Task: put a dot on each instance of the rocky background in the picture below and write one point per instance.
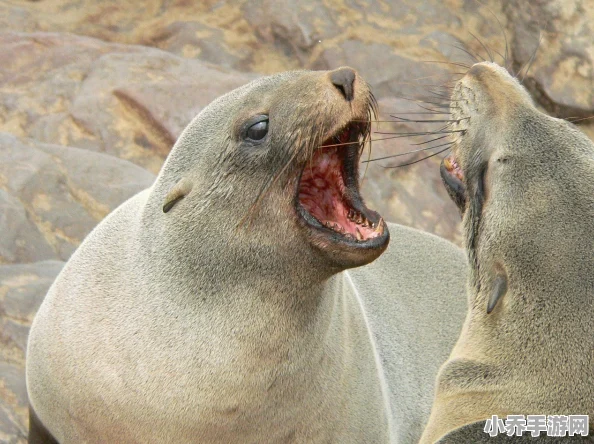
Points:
(94, 93)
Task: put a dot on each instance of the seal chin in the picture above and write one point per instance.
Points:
(453, 179)
(329, 206)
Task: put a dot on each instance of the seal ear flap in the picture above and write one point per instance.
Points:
(177, 193)
(499, 290)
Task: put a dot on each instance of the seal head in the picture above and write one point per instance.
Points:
(292, 151)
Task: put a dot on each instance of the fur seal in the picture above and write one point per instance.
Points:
(216, 306)
(524, 182)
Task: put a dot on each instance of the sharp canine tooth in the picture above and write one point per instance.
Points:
(380, 226)
(359, 235)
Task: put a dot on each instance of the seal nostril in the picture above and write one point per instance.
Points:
(344, 79)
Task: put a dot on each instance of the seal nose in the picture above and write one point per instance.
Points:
(344, 79)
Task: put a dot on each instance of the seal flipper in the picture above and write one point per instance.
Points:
(499, 289)
(38, 434)
(177, 193)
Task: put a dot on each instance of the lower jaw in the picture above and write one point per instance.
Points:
(341, 251)
(454, 187)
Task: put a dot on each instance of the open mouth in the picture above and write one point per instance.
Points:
(453, 178)
(328, 198)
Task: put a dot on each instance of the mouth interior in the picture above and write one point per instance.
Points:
(329, 190)
(452, 166)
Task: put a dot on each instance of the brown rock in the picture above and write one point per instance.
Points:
(561, 76)
(127, 101)
(55, 196)
(22, 289)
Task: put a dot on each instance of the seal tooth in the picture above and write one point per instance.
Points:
(359, 235)
(380, 226)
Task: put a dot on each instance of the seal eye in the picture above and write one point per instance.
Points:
(258, 130)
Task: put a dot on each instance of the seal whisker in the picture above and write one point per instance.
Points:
(483, 45)
(437, 131)
(439, 95)
(429, 121)
(422, 101)
(474, 57)
(418, 113)
(339, 144)
(463, 65)
(366, 138)
(574, 119)
(532, 58)
(420, 160)
(429, 133)
(434, 111)
(431, 140)
(505, 57)
(377, 121)
(410, 152)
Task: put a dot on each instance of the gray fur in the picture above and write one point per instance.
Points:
(182, 326)
(533, 354)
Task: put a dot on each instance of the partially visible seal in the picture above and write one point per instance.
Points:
(524, 182)
(214, 306)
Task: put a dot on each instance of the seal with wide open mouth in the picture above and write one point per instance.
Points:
(313, 148)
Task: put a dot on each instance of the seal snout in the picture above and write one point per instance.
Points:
(493, 90)
(344, 80)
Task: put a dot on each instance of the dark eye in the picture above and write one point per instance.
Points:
(258, 130)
